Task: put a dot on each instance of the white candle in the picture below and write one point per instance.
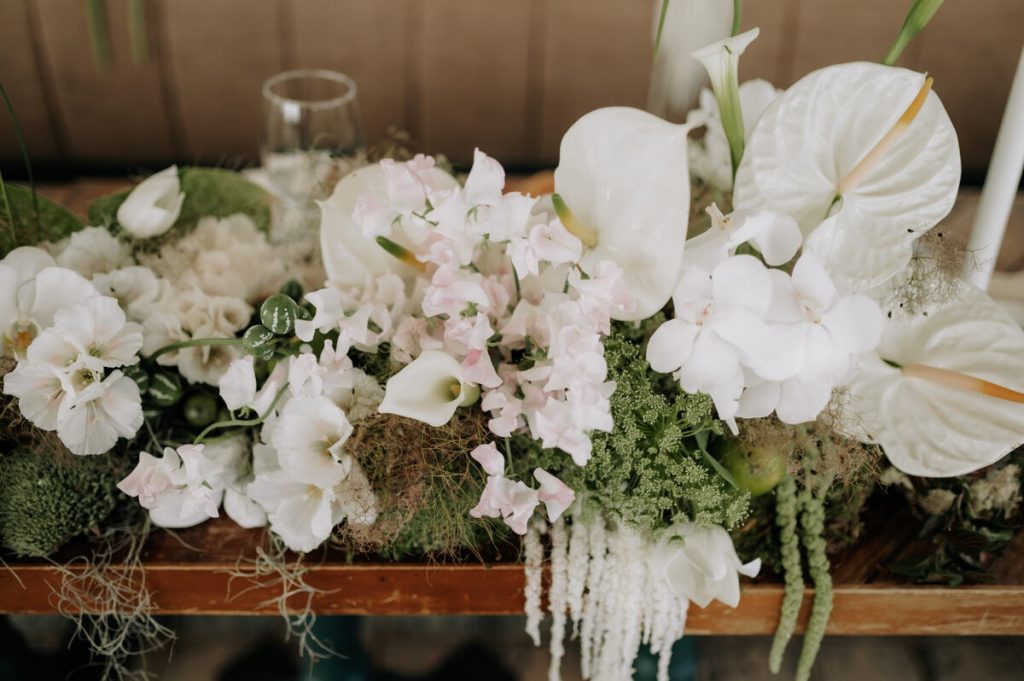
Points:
(1000, 190)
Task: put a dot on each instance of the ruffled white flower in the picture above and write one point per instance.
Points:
(137, 289)
(309, 438)
(701, 564)
(429, 389)
(717, 330)
(153, 206)
(32, 289)
(94, 250)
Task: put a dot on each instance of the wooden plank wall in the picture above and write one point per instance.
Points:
(506, 75)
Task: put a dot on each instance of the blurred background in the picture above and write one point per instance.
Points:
(181, 82)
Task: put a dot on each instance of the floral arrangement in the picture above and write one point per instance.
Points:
(459, 362)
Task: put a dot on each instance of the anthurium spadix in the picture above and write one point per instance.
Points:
(428, 389)
(864, 157)
(943, 394)
(623, 188)
(349, 253)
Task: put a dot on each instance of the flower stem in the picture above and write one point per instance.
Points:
(921, 12)
(737, 16)
(242, 423)
(193, 342)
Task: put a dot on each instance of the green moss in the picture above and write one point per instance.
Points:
(45, 501)
(649, 471)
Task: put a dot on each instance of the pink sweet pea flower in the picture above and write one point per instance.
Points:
(556, 495)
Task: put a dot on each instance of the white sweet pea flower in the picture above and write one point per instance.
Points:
(181, 489)
(546, 242)
(309, 437)
(237, 386)
(775, 235)
(872, 165)
(349, 248)
(944, 393)
(716, 331)
(710, 158)
(32, 290)
(153, 206)
(676, 77)
(624, 190)
(94, 250)
(701, 564)
(429, 389)
(555, 494)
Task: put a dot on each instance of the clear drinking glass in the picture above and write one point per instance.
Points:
(311, 127)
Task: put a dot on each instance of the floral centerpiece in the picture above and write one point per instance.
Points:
(687, 325)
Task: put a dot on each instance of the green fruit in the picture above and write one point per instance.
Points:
(200, 410)
(292, 289)
(259, 341)
(278, 314)
(756, 469)
(164, 389)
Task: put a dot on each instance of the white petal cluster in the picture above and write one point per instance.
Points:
(153, 206)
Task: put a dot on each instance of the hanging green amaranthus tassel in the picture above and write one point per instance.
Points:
(813, 522)
(786, 510)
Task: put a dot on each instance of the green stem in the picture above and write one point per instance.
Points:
(137, 35)
(786, 511)
(243, 423)
(99, 36)
(921, 12)
(737, 16)
(11, 218)
(23, 147)
(661, 26)
(193, 342)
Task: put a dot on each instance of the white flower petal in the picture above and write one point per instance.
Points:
(153, 206)
(671, 345)
(429, 389)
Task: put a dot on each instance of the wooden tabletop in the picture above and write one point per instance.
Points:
(190, 572)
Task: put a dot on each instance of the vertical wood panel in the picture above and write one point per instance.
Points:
(473, 77)
(597, 53)
(117, 113)
(23, 78)
(220, 52)
(972, 49)
(766, 56)
(365, 40)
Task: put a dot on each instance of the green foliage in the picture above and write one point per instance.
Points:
(208, 192)
(649, 471)
(45, 501)
(25, 225)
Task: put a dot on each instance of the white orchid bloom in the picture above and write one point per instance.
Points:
(350, 254)
(701, 564)
(721, 59)
(775, 235)
(624, 189)
(429, 389)
(710, 158)
(153, 206)
(872, 164)
(676, 77)
(32, 289)
(944, 394)
(717, 329)
(309, 437)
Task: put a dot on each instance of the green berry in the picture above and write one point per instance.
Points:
(756, 469)
(200, 410)
(164, 389)
(278, 314)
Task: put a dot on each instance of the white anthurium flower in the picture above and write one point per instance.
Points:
(864, 157)
(153, 206)
(717, 330)
(944, 393)
(309, 438)
(349, 254)
(710, 158)
(429, 389)
(32, 289)
(676, 77)
(701, 564)
(775, 235)
(624, 190)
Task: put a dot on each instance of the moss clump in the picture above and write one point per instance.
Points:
(45, 500)
(649, 471)
(426, 483)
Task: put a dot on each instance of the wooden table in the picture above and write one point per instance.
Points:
(190, 574)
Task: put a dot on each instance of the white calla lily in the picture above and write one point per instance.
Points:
(943, 395)
(676, 77)
(350, 256)
(866, 146)
(153, 206)
(623, 177)
(701, 564)
(429, 389)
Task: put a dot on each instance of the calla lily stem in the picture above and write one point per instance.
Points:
(193, 342)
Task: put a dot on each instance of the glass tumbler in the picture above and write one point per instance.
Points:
(311, 127)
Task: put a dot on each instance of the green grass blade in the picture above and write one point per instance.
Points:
(20, 135)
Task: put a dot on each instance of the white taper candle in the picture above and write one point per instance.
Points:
(1000, 190)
